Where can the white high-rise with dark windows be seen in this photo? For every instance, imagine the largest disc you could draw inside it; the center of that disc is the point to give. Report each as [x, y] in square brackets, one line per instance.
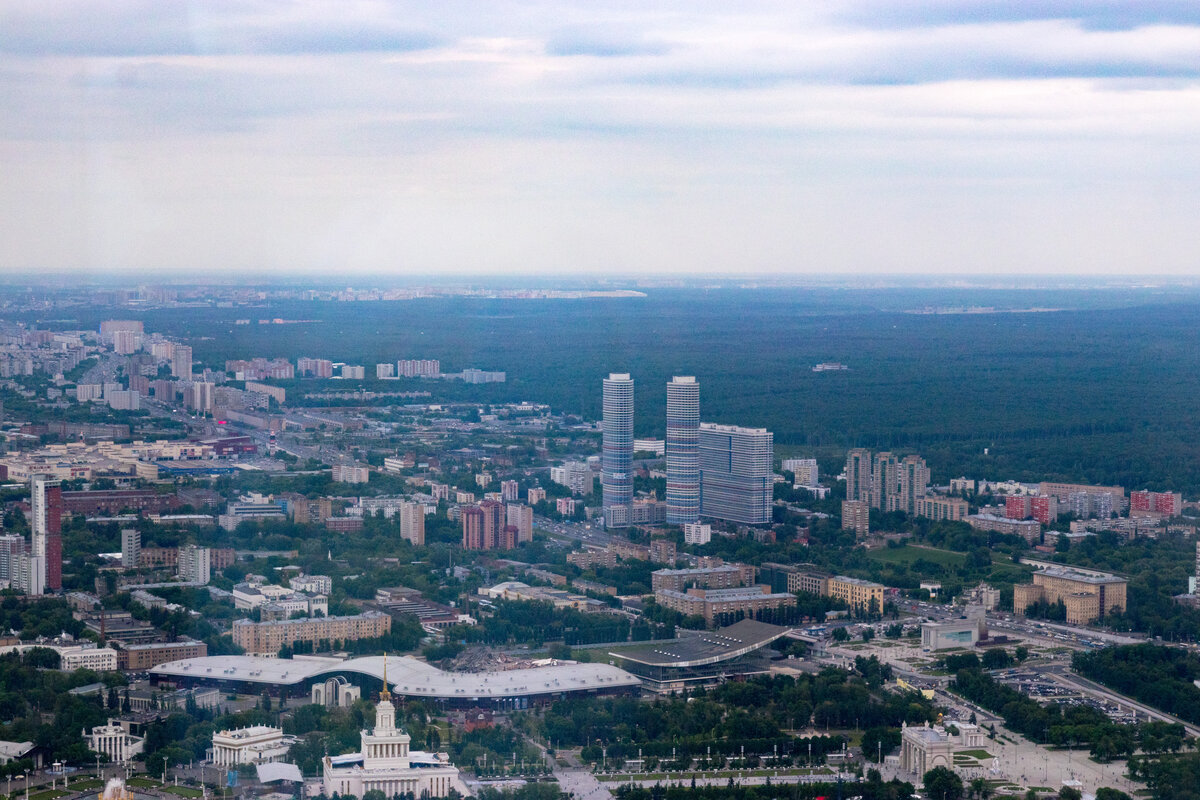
[617, 459]
[683, 451]
[736, 480]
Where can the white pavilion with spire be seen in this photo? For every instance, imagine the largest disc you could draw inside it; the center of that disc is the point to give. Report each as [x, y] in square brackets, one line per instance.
[386, 763]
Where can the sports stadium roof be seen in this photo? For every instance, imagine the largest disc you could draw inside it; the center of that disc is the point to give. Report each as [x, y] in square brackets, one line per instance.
[407, 676]
[704, 647]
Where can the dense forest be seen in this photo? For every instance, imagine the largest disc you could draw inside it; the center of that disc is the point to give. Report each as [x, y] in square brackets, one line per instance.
[1099, 392]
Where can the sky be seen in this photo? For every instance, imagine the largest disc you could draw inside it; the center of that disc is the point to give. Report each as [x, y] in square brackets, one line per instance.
[180, 137]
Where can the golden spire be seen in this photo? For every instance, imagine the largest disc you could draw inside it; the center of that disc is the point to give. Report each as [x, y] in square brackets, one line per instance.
[385, 694]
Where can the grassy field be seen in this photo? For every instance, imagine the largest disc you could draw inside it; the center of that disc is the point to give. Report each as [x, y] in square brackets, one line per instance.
[143, 783]
[976, 754]
[908, 555]
[183, 791]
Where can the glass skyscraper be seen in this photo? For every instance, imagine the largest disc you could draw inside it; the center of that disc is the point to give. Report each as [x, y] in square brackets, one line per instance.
[683, 450]
[736, 481]
[617, 458]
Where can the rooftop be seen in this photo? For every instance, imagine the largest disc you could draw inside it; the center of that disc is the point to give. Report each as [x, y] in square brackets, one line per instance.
[704, 647]
[407, 676]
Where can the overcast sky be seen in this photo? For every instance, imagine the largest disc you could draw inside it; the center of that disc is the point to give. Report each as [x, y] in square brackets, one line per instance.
[626, 137]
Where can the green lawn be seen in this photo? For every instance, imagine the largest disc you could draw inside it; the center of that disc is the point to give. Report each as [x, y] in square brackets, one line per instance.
[86, 784]
[48, 794]
[910, 553]
[143, 783]
[976, 754]
[183, 791]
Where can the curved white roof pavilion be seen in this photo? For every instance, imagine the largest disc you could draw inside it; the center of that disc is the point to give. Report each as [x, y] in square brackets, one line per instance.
[408, 676]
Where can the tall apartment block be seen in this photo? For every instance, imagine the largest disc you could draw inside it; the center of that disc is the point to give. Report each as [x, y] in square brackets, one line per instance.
[858, 474]
[131, 547]
[856, 516]
[46, 504]
[885, 481]
[683, 451]
[181, 362]
[617, 459]
[736, 477]
[913, 484]
[194, 564]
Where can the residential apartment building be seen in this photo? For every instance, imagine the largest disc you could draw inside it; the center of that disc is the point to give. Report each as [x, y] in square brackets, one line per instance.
[1042, 509]
[682, 450]
[140, 657]
[942, 508]
[1087, 595]
[593, 558]
[258, 638]
[720, 577]
[856, 516]
[804, 470]
[858, 474]
[713, 603]
[1162, 504]
[1063, 491]
[617, 449]
[1028, 529]
[857, 593]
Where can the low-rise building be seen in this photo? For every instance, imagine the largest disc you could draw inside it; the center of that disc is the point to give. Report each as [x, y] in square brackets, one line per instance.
[116, 742]
[1028, 529]
[139, 657]
[256, 744]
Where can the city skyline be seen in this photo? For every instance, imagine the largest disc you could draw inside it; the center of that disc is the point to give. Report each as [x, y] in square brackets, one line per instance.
[780, 139]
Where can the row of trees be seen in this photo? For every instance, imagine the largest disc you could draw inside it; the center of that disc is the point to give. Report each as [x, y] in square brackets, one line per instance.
[1066, 725]
[1153, 674]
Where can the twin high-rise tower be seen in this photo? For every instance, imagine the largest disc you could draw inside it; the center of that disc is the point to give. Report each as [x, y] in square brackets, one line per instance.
[720, 471]
[683, 451]
[616, 462]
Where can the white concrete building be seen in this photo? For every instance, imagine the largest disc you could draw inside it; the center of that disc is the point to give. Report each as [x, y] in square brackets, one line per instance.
[257, 744]
[697, 533]
[194, 564]
[314, 584]
[99, 659]
[386, 763]
[115, 742]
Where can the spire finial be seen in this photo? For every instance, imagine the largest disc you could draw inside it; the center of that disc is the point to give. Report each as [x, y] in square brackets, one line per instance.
[385, 694]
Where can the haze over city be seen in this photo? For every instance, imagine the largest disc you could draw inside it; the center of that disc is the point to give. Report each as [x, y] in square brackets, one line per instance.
[567, 138]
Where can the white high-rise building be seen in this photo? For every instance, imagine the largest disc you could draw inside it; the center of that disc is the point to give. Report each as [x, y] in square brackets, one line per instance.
[181, 362]
[194, 563]
[412, 522]
[131, 547]
[697, 533]
[617, 463]
[683, 450]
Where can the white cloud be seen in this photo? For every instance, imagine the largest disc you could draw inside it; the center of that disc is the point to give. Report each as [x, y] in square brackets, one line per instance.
[511, 137]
